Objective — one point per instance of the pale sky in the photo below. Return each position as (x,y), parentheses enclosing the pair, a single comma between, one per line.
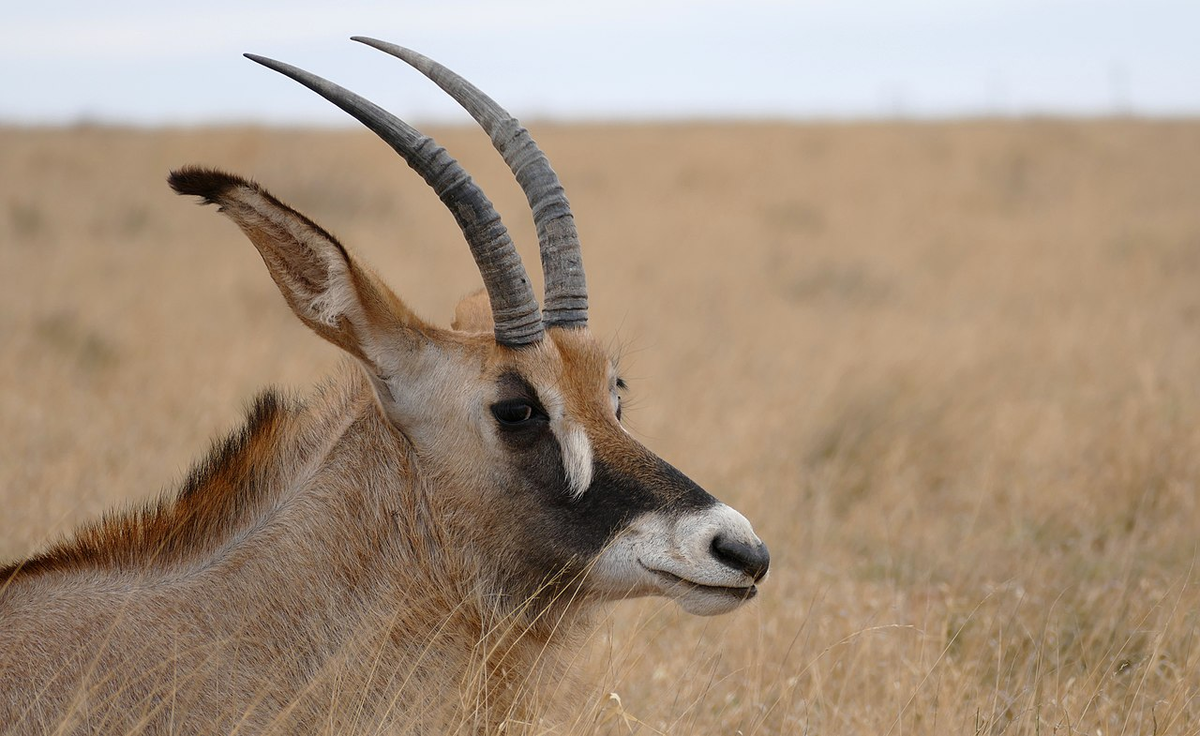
(153,62)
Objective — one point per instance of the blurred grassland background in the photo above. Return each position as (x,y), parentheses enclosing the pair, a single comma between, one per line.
(949,369)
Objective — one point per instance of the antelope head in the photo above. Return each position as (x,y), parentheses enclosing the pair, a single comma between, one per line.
(512,417)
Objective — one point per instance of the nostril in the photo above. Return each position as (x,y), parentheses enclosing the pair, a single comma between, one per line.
(753,560)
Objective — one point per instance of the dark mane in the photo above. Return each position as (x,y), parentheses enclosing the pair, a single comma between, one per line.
(217,493)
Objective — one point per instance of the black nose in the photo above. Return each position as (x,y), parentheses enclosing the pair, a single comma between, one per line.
(752,560)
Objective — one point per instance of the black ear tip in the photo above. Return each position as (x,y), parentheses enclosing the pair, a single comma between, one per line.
(210,184)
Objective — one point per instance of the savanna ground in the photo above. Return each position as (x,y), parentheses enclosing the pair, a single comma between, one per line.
(950,371)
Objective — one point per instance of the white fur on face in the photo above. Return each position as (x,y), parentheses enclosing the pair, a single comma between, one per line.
(577,456)
(672,556)
(573,441)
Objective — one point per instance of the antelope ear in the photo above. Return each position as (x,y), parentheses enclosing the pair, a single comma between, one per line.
(341,301)
(473,313)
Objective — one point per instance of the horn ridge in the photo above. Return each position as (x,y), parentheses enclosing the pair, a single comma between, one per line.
(565,303)
(515,310)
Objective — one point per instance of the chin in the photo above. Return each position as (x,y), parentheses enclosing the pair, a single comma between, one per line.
(700,602)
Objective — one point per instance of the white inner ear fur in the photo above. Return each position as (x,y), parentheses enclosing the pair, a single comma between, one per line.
(330,305)
(336,297)
(574,443)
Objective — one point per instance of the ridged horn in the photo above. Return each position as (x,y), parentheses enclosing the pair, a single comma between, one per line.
(565,304)
(514,308)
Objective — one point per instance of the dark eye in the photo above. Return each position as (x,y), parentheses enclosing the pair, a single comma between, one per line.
(621,386)
(512,413)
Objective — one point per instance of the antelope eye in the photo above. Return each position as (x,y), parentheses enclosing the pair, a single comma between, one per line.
(512,413)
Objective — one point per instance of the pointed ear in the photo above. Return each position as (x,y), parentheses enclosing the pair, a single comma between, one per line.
(341,301)
(473,313)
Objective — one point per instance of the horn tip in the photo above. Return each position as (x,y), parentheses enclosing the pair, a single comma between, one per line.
(258,59)
(369,41)
(387,47)
(274,65)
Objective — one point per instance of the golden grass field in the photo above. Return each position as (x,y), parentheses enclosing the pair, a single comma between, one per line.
(950,371)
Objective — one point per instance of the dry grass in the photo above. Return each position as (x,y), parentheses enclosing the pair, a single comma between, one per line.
(950,371)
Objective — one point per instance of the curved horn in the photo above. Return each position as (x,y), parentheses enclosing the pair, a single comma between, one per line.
(514,307)
(562,263)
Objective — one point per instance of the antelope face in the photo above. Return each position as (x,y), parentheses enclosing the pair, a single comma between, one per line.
(581,499)
(516,413)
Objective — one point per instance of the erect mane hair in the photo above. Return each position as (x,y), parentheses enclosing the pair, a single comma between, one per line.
(218,492)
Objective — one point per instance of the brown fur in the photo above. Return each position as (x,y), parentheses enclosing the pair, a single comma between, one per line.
(210,503)
(473,313)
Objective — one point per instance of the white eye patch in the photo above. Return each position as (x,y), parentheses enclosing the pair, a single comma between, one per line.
(576,455)
(573,441)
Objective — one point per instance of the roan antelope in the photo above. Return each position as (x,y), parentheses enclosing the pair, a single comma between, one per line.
(412,549)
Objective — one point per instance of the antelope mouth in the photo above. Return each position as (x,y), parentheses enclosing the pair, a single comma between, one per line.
(743,592)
